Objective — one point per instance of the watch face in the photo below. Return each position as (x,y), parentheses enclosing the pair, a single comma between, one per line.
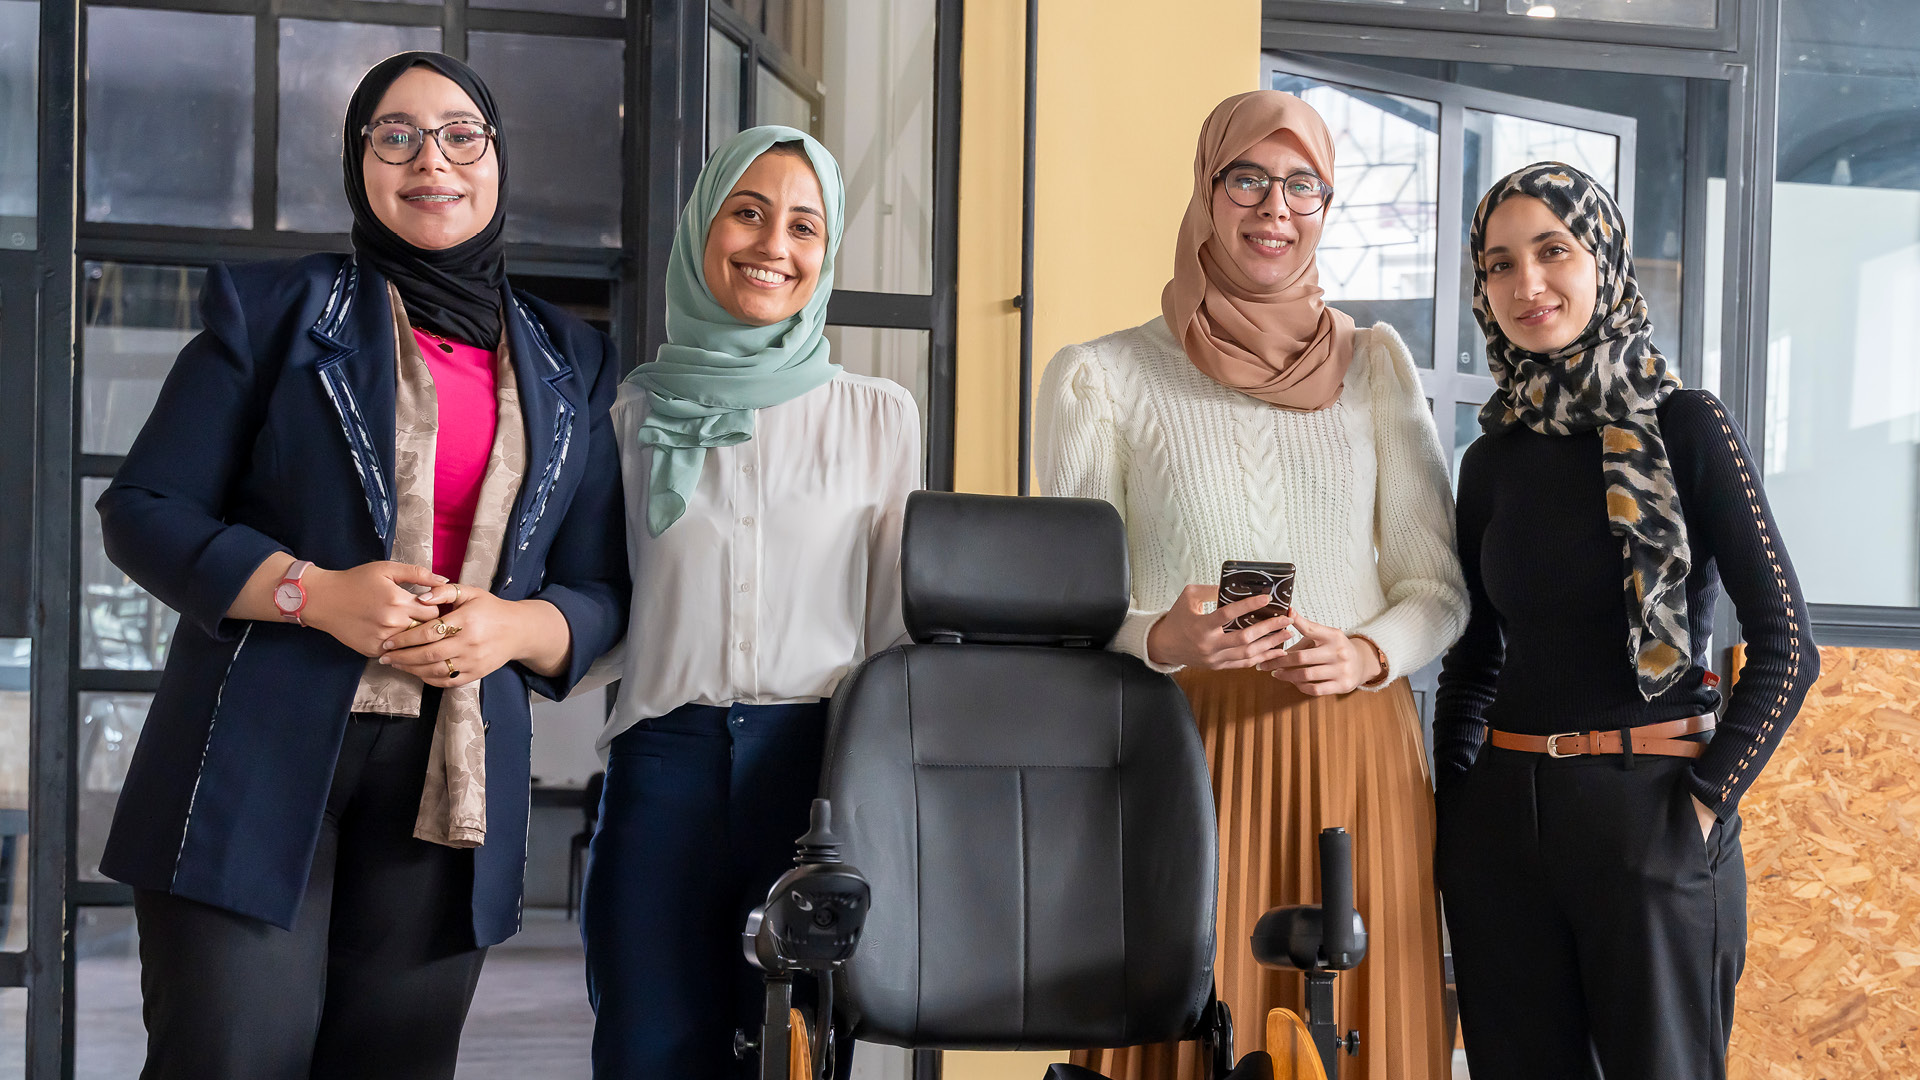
(287,597)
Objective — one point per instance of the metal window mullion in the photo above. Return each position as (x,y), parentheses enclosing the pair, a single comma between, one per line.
(368,12)
(509,21)
(1448,226)
(674,73)
(1752,294)
(51,803)
(1481,48)
(1693,241)
(266,119)
(941,379)
(453,29)
(629,298)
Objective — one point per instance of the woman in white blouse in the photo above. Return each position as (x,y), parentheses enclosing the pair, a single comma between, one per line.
(765,492)
(1252,421)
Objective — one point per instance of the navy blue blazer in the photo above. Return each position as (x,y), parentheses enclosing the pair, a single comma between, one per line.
(275,432)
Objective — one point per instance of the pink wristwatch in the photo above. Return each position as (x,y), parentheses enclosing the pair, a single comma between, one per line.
(290,597)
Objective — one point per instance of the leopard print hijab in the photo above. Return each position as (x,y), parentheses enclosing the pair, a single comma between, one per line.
(1612,378)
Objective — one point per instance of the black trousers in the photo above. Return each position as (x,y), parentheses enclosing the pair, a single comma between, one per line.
(1594,933)
(375,977)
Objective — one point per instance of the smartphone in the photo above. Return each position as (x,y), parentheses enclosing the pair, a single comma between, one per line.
(1240,580)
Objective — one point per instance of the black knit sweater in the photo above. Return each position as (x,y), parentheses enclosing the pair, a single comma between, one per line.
(1545,648)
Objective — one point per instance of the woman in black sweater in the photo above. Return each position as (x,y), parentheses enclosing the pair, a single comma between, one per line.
(1590,856)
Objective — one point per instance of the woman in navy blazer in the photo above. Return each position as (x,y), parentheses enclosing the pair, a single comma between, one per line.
(293,924)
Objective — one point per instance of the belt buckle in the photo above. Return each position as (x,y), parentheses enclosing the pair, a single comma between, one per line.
(1553,744)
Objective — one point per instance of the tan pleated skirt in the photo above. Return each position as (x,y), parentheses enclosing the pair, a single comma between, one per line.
(1284,767)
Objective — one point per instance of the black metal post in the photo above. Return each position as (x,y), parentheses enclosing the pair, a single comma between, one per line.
(941,371)
(50,802)
(1026,252)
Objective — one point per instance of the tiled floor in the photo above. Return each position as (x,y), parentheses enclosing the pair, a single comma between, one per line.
(530,1017)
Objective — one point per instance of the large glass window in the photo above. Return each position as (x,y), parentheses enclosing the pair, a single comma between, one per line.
(878,121)
(110,726)
(320,63)
(169,118)
(110,1040)
(122,626)
(1497,144)
(15,723)
(13,1032)
(1842,422)
(134,319)
(858,75)
(725,68)
(1699,13)
(19,91)
(561,99)
(1376,253)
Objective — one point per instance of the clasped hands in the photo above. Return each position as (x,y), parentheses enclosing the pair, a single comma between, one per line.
(1325,661)
(449,635)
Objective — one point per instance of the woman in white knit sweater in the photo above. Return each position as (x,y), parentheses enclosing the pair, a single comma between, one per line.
(1251,421)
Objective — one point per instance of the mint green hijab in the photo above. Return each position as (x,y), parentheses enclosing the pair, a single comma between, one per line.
(714,371)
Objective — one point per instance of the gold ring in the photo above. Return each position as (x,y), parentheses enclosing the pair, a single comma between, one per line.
(452,672)
(445,629)
(456,593)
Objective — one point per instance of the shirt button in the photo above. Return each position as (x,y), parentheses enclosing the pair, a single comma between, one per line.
(748,469)
(745,587)
(744,646)
(747,521)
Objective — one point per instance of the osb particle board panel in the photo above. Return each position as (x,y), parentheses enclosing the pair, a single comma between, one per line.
(1832,837)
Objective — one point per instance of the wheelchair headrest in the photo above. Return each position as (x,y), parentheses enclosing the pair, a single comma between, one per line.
(995,569)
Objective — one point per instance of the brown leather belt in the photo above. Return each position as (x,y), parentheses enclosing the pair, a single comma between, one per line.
(1658,739)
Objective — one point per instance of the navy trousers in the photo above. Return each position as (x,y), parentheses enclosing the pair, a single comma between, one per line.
(699,817)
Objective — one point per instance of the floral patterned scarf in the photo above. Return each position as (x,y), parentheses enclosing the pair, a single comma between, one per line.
(453,804)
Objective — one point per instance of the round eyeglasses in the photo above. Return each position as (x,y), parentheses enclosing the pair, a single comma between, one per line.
(462,142)
(1249,185)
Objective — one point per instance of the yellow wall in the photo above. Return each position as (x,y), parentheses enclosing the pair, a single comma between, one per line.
(1123,87)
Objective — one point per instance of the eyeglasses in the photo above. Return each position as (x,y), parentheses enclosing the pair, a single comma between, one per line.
(1248,186)
(462,142)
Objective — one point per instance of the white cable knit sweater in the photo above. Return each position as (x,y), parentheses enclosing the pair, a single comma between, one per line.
(1355,495)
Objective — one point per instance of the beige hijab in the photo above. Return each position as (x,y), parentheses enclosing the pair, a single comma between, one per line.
(1281,344)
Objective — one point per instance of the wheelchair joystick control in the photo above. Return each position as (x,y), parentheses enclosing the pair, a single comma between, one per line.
(1320,940)
(811,924)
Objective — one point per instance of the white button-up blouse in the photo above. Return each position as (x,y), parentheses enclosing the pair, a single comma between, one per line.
(785,570)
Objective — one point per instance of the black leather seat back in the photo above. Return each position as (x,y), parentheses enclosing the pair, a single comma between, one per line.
(1036,821)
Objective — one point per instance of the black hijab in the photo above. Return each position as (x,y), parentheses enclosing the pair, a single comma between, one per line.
(455,292)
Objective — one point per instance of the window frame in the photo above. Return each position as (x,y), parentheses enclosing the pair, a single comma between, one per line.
(1443,383)
(932,311)
(1493,19)
(665,63)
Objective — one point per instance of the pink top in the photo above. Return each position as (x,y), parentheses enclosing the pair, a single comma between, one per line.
(463,383)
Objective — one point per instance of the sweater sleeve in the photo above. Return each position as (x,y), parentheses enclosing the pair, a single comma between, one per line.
(1729,521)
(1081,455)
(1413,521)
(1471,669)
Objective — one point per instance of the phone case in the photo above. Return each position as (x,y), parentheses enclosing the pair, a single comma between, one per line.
(1242,579)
